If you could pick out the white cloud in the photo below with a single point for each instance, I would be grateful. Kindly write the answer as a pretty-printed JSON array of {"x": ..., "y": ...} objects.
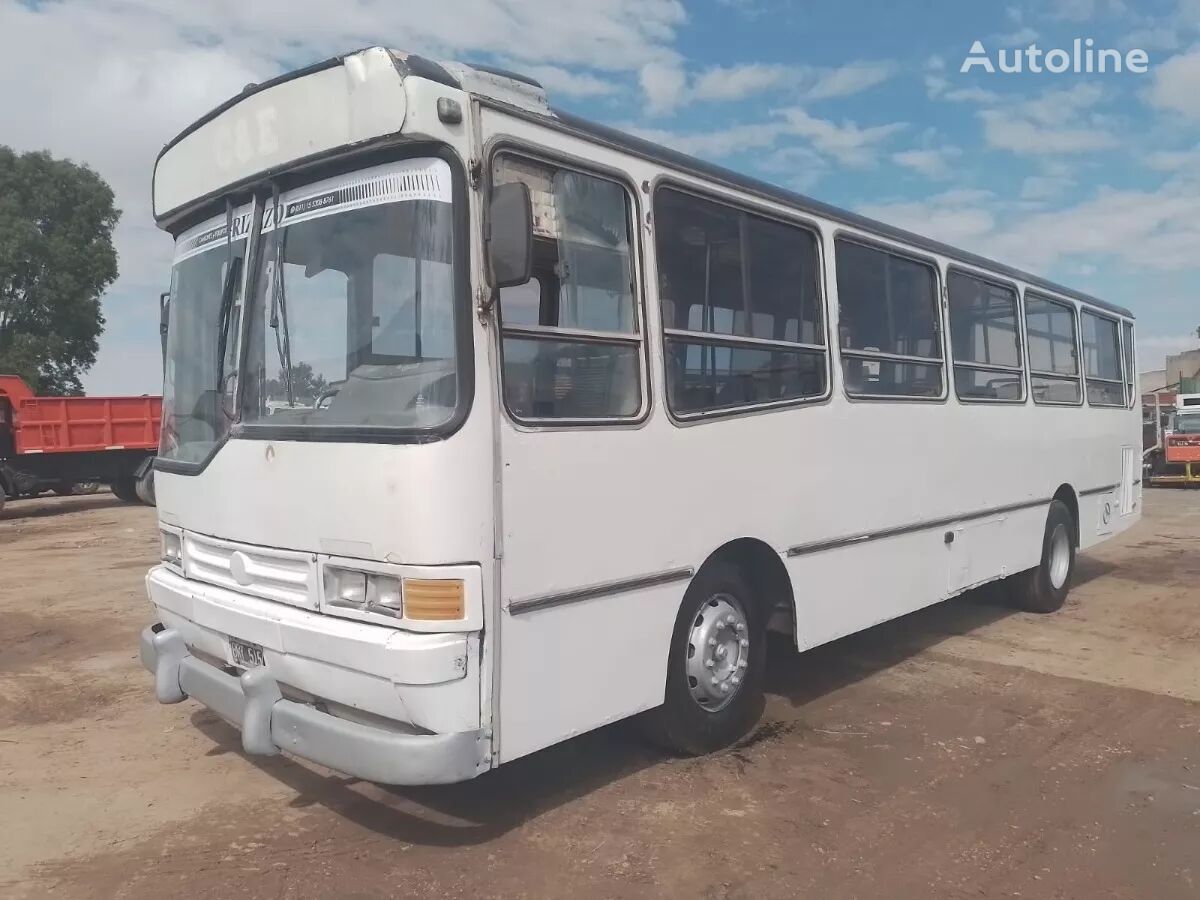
[
  {"x": 956, "y": 217},
  {"x": 1005, "y": 131},
  {"x": 979, "y": 95},
  {"x": 1043, "y": 187},
  {"x": 1085, "y": 10},
  {"x": 1054, "y": 122},
  {"x": 1174, "y": 160},
  {"x": 1142, "y": 229},
  {"x": 562, "y": 82},
  {"x": 846, "y": 143},
  {"x": 1157, "y": 37},
  {"x": 667, "y": 86},
  {"x": 934, "y": 162},
  {"x": 1020, "y": 37},
  {"x": 664, "y": 85},
  {"x": 1166, "y": 32},
  {"x": 853, "y": 78},
  {"x": 719, "y": 142},
  {"x": 1175, "y": 85},
  {"x": 799, "y": 167},
  {"x": 735, "y": 82},
  {"x": 1057, "y": 107}
]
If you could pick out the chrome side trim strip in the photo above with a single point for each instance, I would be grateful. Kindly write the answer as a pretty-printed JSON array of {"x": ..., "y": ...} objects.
[
  {"x": 818, "y": 546},
  {"x": 588, "y": 592},
  {"x": 1103, "y": 489}
]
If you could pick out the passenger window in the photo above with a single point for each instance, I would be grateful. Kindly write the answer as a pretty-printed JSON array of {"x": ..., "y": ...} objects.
[
  {"x": 888, "y": 324},
  {"x": 741, "y": 306},
  {"x": 1053, "y": 361},
  {"x": 1102, "y": 360},
  {"x": 984, "y": 339},
  {"x": 571, "y": 335},
  {"x": 1130, "y": 370}
]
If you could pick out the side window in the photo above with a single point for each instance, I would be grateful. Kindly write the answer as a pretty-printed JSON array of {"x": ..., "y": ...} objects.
[
  {"x": 1130, "y": 366},
  {"x": 741, "y": 306},
  {"x": 1053, "y": 361},
  {"x": 984, "y": 339},
  {"x": 1102, "y": 360},
  {"x": 571, "y": 335},
  {"x": 888, "y": 324}
]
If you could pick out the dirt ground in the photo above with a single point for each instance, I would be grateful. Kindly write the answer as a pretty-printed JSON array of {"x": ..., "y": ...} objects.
[{"x": 964, "y": 751}]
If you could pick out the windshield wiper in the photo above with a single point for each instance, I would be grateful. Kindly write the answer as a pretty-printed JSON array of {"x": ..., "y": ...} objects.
[
  {"x": 233, "y": 268},
  {"x": 283, "y": 343}
]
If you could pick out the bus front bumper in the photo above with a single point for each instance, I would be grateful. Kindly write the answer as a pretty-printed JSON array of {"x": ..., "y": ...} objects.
[{"x": 252, "y": 702}]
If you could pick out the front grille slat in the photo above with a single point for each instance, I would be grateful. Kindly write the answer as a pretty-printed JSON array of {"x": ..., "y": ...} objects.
[{"x": 286, "y": 576}]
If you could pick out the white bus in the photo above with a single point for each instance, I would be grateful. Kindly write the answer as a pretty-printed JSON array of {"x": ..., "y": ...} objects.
[{"x": 485, "y": 426}]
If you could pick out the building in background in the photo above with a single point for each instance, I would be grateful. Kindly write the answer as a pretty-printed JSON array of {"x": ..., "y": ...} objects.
[
  {"x": 1184, "y": 367},
  {"x": 1180, "y": 367}
]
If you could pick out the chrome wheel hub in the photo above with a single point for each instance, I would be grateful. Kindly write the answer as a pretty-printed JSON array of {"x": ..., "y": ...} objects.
[
  {"x": 1060, "y": 556},
  {"x": 718, "y": 652}
]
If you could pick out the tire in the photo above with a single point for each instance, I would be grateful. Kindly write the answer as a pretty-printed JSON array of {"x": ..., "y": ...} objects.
[
  {"x": 1044, "y": 589},
  {"x": 696, "y": 717},
  {"x": 125, "y": 489},
  {"x": 145, "y": 488}
]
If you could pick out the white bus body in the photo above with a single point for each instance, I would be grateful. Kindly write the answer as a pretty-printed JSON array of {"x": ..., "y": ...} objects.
[{"x": 566, "y": 472}]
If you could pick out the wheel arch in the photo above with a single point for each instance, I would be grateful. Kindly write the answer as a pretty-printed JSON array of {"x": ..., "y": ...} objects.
[
  {"x": 1067, "y": 495},
  {"x": 768, "y": 577}
]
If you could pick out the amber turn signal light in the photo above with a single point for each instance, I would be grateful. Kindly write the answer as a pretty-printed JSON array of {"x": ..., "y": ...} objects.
[{"x": 434, "y": 599}]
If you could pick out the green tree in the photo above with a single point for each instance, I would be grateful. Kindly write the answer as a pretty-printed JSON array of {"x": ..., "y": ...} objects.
[
  {"x": 307, "y": 385},
  {"x": 56, "y": 260}
]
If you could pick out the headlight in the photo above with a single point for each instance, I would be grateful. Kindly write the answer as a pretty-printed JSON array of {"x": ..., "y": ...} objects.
[
  {"x": 172, "y": 548},
  {"x": 429, "y": 599},
  {"x": 366, "y": 591}
]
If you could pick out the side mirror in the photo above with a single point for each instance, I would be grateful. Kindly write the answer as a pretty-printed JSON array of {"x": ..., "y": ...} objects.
[{"x": 510, "y": 235}]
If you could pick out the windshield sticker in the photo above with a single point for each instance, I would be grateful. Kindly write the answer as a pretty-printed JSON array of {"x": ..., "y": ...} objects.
[
  {"x": 213, "y": 233},
  {"x": 410, "y": 179}
]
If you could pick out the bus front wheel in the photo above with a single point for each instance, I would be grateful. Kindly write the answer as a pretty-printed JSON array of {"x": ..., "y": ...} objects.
[
  {"x": 716, "y": 665},
  {"x": 125, "y": 488},
  {"x": 1044, "y": 588}
]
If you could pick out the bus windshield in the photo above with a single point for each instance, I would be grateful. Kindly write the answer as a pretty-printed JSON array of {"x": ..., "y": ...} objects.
[
  {"x": 352, "y": 312},
  {"x": 201, "y": 362},
  {"x": 1187, "y": 423}
]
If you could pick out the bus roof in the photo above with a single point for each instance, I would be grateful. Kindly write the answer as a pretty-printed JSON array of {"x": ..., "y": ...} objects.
[{"x": 525, "y": 97}]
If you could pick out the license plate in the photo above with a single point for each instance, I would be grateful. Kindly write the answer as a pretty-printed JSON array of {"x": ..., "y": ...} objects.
[{"x": 246, "y": 655}]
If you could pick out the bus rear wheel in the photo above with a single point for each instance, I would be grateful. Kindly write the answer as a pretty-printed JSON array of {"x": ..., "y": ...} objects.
[
  {"x": 716, "y": 666},
  {"x": 1044, "y": 588}
]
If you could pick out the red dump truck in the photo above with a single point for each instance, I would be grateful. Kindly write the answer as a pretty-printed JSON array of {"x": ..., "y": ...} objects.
[{"x": 56, "y": 443}]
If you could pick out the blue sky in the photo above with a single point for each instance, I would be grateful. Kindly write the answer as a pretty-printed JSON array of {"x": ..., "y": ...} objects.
[{"x": 1093, "y": 180}]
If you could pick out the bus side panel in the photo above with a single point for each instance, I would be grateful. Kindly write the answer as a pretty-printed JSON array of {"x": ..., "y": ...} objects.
[
  {"x": 569, "y": 669},
  {"x": 846, "y": 589}
]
